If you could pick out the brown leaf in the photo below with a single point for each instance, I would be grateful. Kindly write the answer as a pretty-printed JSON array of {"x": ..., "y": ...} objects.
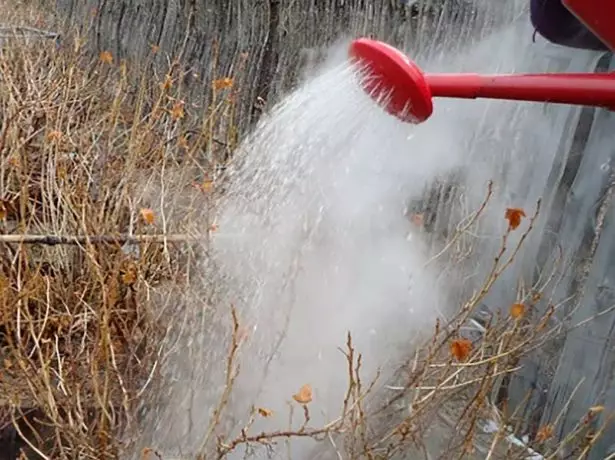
[
  {"x": 53, "y": 136},
  {"x": 148, "y": 216},
  {"x": 461, "y": 349},
  {"x": 514, "y": 217},
  {"x": 207, "y": 185},
  {"x": 155, "y": 48},
  {"x": 129, "y": 277},
  {"x": 150, "y": 454},
  {"x": 177, "y": 112},
  {"x": 183, "y": 142},
  {"x": 3, "y": 210},
  {"x": 304, "y": 396},
  {"x": 167, "y": 83},
  {"x": 14, "y": 161},
  {"x": 544, "y": 433},
  {"x": 106, "y": 57},
  {"x": 223, "y": 83},
  {"x": 264, "y": 412},
  {"x": 517, "y": 310}
]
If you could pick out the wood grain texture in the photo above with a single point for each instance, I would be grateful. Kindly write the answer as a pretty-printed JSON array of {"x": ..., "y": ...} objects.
[{"x": 278, "y": 36}]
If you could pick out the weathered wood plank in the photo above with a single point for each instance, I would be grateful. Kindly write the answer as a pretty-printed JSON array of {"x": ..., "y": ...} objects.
[{"x": 274, "y": 33}]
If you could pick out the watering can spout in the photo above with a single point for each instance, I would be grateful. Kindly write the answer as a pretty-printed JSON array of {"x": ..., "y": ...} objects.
[{"x": 408, "y": 91}]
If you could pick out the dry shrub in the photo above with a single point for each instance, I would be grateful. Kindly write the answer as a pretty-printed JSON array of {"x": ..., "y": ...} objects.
[{"x": 105, "y": 179}]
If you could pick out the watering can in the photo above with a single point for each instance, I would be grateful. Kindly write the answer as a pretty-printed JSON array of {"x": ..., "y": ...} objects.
[{"x": 409, "y": 91}]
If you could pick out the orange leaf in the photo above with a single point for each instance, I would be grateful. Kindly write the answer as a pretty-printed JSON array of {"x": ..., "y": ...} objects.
[
  {"x": 264, "y": 412},
  {"x": 53, "y": 136},
  {"x": 223, "y": 83},
  {"x": 177, "y": 112},
  {"x": 304, "y": 396},
  {"x": 148, "y": 215},
  {"x": 207, "y": 185},
  {"x": 517, "y": 310},
  {"x": 106, "y": 57},
  {"x": 514, "y": 217},
  {"x": 14, "y": 161},
  {"x": 461, "y": 349},
  {"x": 183, "y": 142},
  {"x": 544, "y": 433},
  {"x": 129, "y": 277},
  {"x": 167, "y": 83}
]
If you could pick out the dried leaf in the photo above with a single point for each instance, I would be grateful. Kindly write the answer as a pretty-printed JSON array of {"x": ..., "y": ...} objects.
[
  {"x": 148, "y": 216},
  {"x": 182, "y": 142},
  {"x": 596, "y": 409},
  {"x": 461, "y": 349},
  {"x": 155, "y": 48},
  {"x": 517, "y": 310},
  {"x": 264, "y": 412},
  {"x": 53, "y": 136},
  {"x": 150, "y": 454},
  {"x": 106, "y": 57},
  {"x": 544, "y": 433},
  {"x": 14, "y": 161},
  {"x": 167, "y": 83},
  {"x": 207, "y": 185},
  {"x": 223, "y": 83},
  {"x": 129, "y": 277},
  {"x": 304, "y": 396},
  {"x": 514, "y": 217},
  {"x": 3, "y": 211},
  {"x": 177, "y": 112}
]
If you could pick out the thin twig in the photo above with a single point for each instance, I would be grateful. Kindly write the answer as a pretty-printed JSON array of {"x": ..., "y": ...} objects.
[{"x": 53, "y": 240}]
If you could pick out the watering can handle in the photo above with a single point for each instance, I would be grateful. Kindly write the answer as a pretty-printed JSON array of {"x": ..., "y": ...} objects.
[{"x": 592, "y": 89}]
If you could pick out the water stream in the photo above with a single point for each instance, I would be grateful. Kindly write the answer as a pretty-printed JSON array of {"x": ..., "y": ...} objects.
[{"x": 315, "y": 241}]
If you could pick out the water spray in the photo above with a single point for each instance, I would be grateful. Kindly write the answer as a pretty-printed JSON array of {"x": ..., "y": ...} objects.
[{"x": 408, "y": 91}]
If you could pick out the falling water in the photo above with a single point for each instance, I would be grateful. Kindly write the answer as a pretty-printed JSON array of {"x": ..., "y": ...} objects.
[{"x": 314, "y": 241}]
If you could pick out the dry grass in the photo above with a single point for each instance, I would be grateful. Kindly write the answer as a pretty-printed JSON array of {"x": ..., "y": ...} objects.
[{"x": 106, "y": 179}]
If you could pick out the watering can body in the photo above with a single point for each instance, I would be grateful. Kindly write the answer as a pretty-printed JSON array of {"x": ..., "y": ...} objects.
[{"x": 585, "y": 24}]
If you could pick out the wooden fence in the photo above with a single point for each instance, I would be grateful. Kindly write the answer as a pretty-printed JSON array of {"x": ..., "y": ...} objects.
[{"x": 278, "y": 37}]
